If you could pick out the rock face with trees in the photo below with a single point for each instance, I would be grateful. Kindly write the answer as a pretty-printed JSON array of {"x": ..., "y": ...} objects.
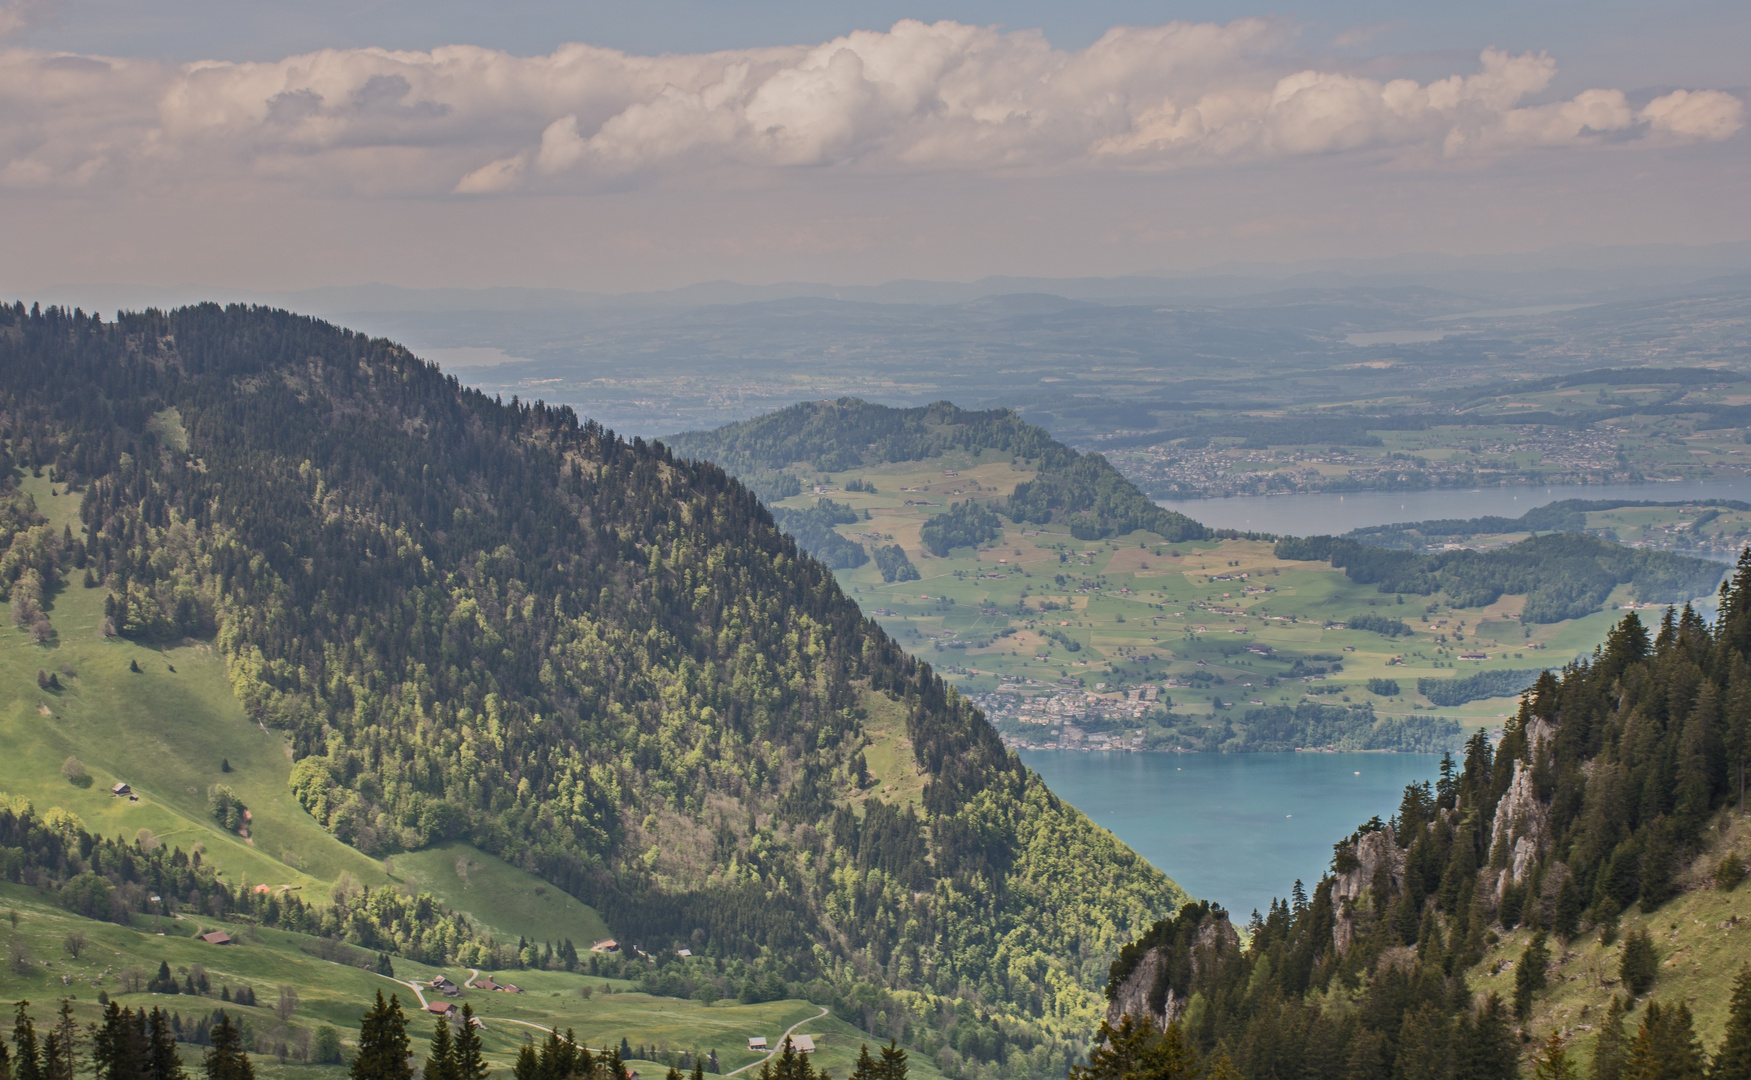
[
  {"x": 496, "y": 622},
  {"x": 1600, "y": 792}
]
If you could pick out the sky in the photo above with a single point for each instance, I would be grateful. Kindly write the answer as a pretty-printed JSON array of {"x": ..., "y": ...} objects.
[{"x": 614, "y": 147}]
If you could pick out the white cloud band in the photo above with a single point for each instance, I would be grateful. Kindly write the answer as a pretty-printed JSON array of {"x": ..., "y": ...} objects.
[{"x": 914, "y": 98}]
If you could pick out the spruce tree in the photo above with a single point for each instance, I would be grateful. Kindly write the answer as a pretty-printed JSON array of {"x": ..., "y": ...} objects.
[
  {"x": 1485, "y": 1049},
  {"x": 1610, "y": 1047},
  {"x": 1552, "y": 1061},
  {"x": 441, "y": 1061},
  {"x": 55, "y": 1055},
  {"x": 69, "y": 1036},
  {"x": 1640, "y": 967},
  {"x": 1368, "y": 1057},
  {"x": 27, "y": 1061},
  {"x": 1665, "y": 1046},
  {"x": 383, "y": 1044},
  {"x": 1733, "y": 1057},
  {"x": 163, "y": 1062},
  {"x": 1134, "y": 1049},
  {"x": 866, "y": 1067},
  {"x": 528, "y": 1064},
  {"x": 1424, "y": 1048},
  {"x": 470, "y": 1064},
  {"x": 893, "y": 1061},
  {"x": 1529, "y": 975},
  {"x": 227, "y": 1060}
]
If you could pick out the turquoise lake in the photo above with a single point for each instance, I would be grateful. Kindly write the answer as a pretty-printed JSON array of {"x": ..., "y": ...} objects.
[{"x": 1236, "y": 829}]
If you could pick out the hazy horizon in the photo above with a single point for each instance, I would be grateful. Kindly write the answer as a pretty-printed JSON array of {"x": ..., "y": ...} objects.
[{"x": 291, "y": 148}]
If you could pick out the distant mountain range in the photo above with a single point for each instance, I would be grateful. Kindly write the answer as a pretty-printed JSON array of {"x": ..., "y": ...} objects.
[{"x": 1548, "y": 275}]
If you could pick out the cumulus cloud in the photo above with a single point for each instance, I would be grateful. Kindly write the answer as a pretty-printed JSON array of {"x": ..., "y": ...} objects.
[
  {"x": 916, "y": 97},
  {"x": 1703, "y": 114}
]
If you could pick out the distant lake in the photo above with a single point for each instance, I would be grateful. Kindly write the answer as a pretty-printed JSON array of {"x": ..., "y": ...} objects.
[
  {"x": 1236, "y": 829},
  {"x": 1315, "y": 515}
]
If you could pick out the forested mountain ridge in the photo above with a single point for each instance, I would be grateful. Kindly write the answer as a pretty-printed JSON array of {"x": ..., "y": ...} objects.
[
  {"x": 1605, "y": 803},
  {"x": 1082, "y": 490},
  {"x": 596, "y": 660}
]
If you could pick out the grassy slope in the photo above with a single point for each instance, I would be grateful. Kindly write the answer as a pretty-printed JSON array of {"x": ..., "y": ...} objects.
[
  {"x": 335, "y": 994},
  {"x": 498, "y": 896},
  {"x": 1701, "y": 952}
]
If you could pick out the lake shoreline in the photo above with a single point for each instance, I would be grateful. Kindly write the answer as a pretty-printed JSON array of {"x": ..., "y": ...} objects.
[{"x": 1335, "y": 513}]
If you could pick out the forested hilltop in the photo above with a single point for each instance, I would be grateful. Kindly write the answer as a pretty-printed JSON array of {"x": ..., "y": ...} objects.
[
  {"x": 1562, "y": 575},
  {"x": 1082, "y": 490},
  {"x": 1544, "y": 887},
  {"x": 599, "y": 661}
]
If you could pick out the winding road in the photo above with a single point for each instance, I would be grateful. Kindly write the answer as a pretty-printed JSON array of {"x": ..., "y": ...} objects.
[{"x": 773, "y": 1052}]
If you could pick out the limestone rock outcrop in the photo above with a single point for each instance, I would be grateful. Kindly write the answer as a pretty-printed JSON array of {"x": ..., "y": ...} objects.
[
  {"x": 1148, "y": 991},
  {"x": 1374, "y": 853}
]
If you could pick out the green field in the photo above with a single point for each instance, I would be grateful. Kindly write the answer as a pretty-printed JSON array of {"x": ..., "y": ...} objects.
[{"x": 1035, "y": 610}]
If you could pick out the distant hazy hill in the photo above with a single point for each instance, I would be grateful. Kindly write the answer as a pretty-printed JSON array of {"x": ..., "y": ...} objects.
[
  {"x": 1081, "y": 490},
  {"x": 596, "y": 660}
]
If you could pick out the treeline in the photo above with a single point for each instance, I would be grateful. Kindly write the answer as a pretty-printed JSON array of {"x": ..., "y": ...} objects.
[
  {"x": 1562, "y": 576},
  {"x": 965, "y": 524},
  {"x": 489, "y": 620},
  {"x": 1380, "y": 624},
  {"x": 1448, "y": 693},
  {"x": 813, "y": 530},
  {"x": 1081, "y": 489},
  {"x": 891, "y": 560},
  {"x": 1601, "y": 790},
  {"x": 1278, "y": 728}
]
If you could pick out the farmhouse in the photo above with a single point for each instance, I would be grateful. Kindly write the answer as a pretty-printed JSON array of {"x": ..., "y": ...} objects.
[
  {"x": 121, "y": 789},
  {"x": 804, "y": 1044},
  {"x": 757, "y": 1043},
  {"x": 216, "y": 937},
  {"x": 606, "y": 945},
  {"x": 441, "y": 1008}
]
